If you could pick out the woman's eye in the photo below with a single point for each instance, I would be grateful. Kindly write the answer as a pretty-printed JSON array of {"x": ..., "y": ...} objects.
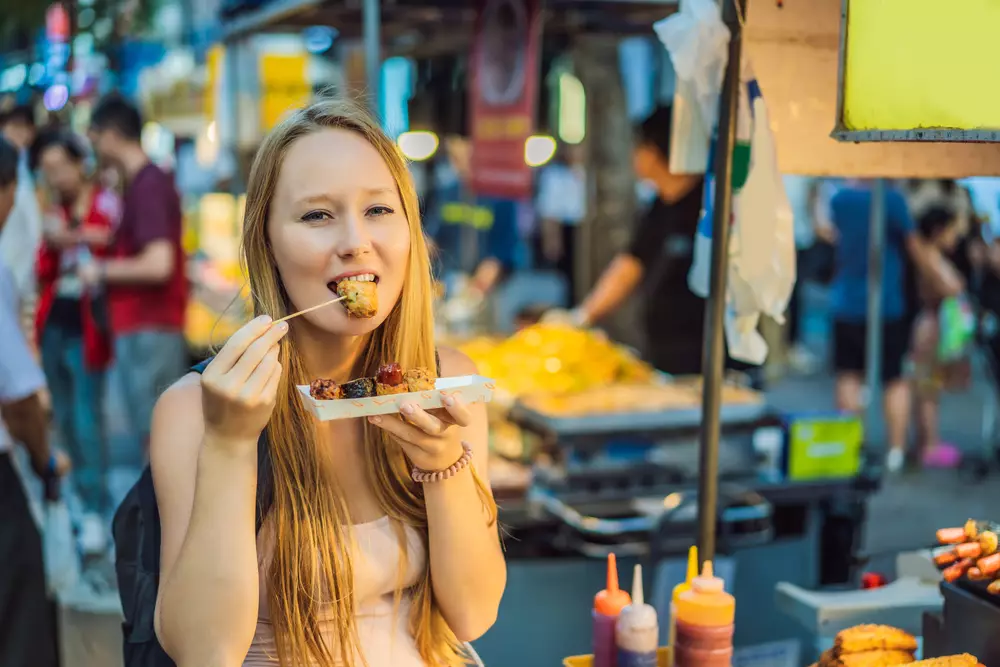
[
  {"x": 377, "y": 211},
  {"x": 315, "y": 216}
]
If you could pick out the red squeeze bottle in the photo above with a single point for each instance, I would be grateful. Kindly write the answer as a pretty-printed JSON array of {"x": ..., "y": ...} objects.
[{"x": 608, "y": 604}]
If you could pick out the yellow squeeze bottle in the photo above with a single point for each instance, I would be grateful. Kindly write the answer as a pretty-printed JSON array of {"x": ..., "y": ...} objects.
[{"x": 679, "y": 589}]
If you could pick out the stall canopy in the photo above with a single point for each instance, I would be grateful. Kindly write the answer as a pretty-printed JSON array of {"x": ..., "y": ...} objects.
[{"x": 431, "y": 24}]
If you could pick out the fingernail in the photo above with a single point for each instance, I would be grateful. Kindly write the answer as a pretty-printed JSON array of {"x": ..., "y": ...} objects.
[
  {"x": 448, "y": 401},
  {"x": 375, "y": 419},
  {"x": 264, "y": 318},
  {"x": 406, "y": 409},
  {"x": 282, "y": 326}
]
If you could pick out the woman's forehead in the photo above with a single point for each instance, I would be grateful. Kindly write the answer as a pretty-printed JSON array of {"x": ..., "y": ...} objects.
[{"x": 333, "y": 162}]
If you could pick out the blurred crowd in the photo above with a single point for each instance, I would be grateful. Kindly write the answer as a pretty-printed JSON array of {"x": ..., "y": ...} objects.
[{"x": 93, "y": 248}]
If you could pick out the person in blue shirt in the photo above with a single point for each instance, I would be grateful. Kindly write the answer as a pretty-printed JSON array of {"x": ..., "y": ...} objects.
[{"x": 850, "y": 214}]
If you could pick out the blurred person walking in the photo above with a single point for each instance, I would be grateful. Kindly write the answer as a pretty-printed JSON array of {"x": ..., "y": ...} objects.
[
  {"x": 850, "y": 212},
  {"x": 561, "y": 205},
  {"x": 27, "y": 619},
  {"x": 940, "y": 228},
  {"x": 802, "y": 195},
  {"x": 23, "y": 231},
  {"x": 145, "y": 272},
  {"x": 71, "y": 323}
]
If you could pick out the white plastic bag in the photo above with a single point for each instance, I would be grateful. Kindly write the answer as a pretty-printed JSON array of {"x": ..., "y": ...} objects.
[
  {"x": 762, "y": 268},
  {"x": 761, "y": 248},
  {"x": 62, "y": 564},
  {"x": 696, "y": 39}
]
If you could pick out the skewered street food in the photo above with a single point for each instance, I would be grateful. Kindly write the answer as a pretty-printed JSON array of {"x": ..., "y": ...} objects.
[
  {"x": 972, "y": 551},
  {"x": 418, "y": 379},
  {"x": 870, "y": 646},
  {"x": 325, "y": 390},
  {"x": 863, "y": 638},
  {"x": 390, "y": 380},
  {"x": 963, "y": 660},
  {"x": 359, "y": 388},
  {"x": 360, "y": 295}
]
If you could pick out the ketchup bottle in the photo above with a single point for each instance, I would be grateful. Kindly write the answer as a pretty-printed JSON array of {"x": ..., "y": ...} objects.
[{"x": 608, "y": 604}]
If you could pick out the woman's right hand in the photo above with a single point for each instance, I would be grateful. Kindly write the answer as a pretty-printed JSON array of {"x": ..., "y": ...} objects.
[{"x": 240, "y": 384}]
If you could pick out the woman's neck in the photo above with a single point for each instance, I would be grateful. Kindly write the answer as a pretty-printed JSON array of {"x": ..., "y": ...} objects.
[{"x": 326, "y": 355}]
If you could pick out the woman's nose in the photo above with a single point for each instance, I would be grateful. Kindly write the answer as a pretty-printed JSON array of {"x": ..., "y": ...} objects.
[{"x": 354, "y": 239}]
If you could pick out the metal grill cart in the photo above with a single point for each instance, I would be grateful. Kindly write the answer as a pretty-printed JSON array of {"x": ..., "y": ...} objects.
[{"x": 628, "y": 483}]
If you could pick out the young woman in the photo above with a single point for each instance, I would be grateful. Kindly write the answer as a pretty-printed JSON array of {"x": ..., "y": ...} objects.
[
  {"x": 355, "y": 564},
  {"x": 940, "y": 228}
]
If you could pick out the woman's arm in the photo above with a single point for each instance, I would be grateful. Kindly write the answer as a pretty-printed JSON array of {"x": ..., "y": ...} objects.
[
  {"x": 467, "y": 562},
  {"x": 206, "y": 610}
]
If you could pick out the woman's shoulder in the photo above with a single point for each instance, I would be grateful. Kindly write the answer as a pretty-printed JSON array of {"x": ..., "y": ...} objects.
[
  {"x": 180, "y": 401},
  {"x": 455, "y": 362}
]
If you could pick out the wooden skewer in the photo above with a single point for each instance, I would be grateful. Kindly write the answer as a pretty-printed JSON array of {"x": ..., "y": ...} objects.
[{"x": 309, "y": 310}]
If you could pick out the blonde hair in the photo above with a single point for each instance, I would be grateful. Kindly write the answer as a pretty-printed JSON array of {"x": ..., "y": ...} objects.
[{"x": 309, "y": 514}]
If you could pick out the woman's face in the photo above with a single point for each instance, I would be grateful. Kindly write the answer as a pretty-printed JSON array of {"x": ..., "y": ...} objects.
[
  {"x": 336, "y": 213},
  {"x": 62, "y": 173}
]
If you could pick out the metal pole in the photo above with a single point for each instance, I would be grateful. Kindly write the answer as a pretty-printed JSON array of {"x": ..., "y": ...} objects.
[
  {"x": 714, "y": 351},
  {"x": 373, "y": 52},
  {"x": 873, "y": 344}
]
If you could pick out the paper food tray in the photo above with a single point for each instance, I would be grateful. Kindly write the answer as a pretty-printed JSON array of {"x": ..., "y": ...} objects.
[{"x": 470, "y": 388}]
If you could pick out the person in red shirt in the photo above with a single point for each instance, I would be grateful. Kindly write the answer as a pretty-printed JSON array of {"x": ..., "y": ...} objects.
[
  {"x": 145, "y": 273},
  {"x": 71, "y": 321}
]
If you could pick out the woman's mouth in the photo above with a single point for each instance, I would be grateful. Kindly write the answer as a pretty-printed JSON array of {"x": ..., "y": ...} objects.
[{"x": 360, "y": 278}]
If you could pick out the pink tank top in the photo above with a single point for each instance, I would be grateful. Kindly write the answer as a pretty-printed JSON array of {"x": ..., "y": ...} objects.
[{"x": 384, "y": 637}]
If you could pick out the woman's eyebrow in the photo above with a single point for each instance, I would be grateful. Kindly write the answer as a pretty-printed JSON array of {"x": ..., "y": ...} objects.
[{"x": 316, "y": 199}]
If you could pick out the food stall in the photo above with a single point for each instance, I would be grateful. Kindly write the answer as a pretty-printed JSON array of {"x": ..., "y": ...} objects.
[
  {"x": 895, "y": 117},
  {"x": 613, "y": 454}
]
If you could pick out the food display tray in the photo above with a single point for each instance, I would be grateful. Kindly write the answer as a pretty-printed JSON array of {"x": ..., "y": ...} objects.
[
  {"x": 470, "y": 388},
  {"x": 631, "y": 422}
]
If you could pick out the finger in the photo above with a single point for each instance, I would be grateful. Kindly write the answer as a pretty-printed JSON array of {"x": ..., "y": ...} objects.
[
  {"x": 256, "y": 352},
  {"x": 458, "y": 410},
  {"x": 422, "y": 419},
  {"x": 270, "y": 391},
  {"x": 238, "y": 344},
  {"x": 443, "y": 415},
  {"x": 254, "y": 386},
  {"x": 395, "y": 426}
]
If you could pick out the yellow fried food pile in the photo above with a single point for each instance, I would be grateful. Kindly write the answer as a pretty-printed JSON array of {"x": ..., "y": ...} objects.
[{"x": 553, "y": 358}]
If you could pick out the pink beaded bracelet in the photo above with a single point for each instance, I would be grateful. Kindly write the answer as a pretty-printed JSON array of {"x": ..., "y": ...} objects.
[{"x": 426, "y": 476}]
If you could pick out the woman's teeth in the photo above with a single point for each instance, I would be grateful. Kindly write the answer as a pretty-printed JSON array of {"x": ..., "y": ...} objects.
[{"x": 363, "y": 278}]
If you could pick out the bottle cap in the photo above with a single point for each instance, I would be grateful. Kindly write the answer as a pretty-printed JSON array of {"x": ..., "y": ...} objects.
[
  {"x": 692, "y": 572},
  {"x": 708, "y": 582},
  {"x": 612, "y": 599},
  {"x": 638, "y": 615}
]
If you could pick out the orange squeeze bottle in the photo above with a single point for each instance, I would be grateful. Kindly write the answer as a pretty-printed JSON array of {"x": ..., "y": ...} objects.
[{"x": 608, "y": 604}]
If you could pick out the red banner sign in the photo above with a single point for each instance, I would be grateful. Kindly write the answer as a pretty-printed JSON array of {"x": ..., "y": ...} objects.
[{"x": 503, "y": 93}]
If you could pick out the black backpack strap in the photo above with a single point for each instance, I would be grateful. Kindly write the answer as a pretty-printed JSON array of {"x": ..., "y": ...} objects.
[{"x": 265, "y": 479}]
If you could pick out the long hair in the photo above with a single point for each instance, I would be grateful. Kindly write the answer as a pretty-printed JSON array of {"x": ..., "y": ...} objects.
[{"x": 309, "y": 515}]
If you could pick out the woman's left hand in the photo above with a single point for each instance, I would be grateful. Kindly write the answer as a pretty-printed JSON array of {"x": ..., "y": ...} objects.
[{"x": 432, "y": 439}]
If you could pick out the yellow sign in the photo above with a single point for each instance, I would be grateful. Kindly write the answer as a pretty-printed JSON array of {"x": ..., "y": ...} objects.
[
  {"x": 214, "y": 63},
  {"x": 921, "y": 64},
  {"x": 284, "y": 85}
]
